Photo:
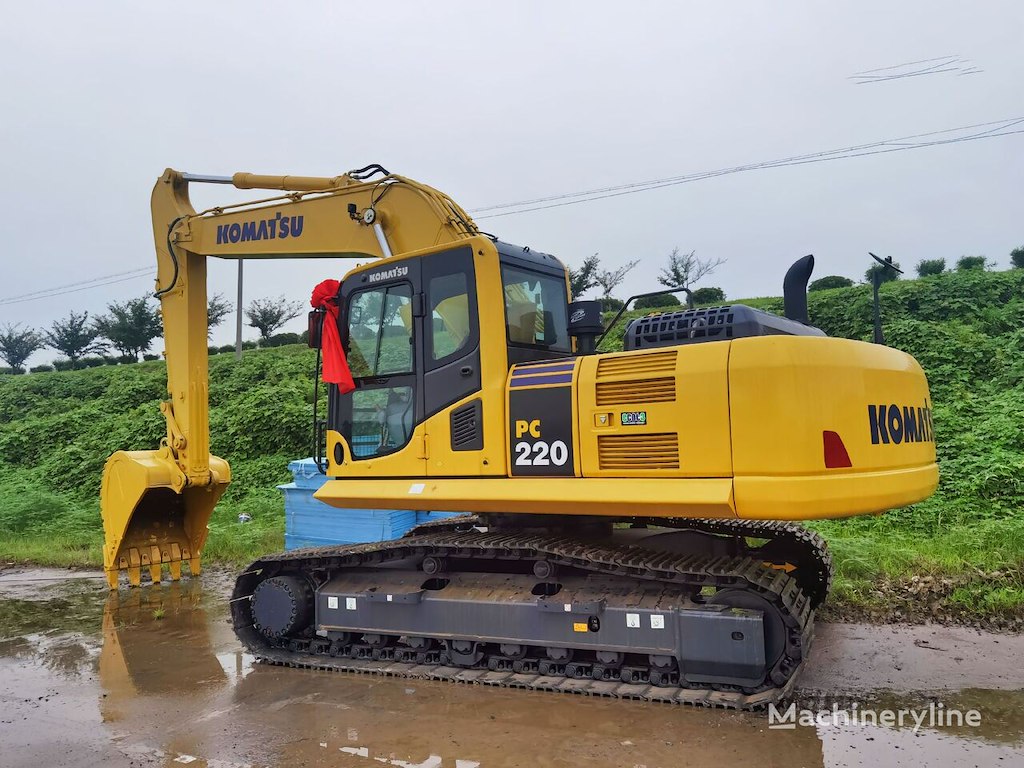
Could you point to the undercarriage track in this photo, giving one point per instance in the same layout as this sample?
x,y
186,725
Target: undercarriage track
x,y
763,573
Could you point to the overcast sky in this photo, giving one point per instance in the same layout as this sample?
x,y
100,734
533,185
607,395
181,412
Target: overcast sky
x,y
495,103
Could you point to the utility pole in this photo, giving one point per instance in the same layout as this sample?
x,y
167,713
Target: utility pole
x,y
238,314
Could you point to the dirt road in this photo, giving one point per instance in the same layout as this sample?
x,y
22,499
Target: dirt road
x,y
154,677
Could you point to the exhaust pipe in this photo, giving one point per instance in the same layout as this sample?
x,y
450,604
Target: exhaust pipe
x,y
794,289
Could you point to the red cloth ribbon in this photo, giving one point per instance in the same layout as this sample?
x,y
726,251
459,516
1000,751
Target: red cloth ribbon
x,y
336,370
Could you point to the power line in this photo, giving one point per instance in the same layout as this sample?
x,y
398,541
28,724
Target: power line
x,y
902,71
949,59
887,78
993,129
75,284
998,123
72,290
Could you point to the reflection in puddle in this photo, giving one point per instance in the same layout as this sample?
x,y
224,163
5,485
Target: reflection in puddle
x,y
157,641
173,688
1001,713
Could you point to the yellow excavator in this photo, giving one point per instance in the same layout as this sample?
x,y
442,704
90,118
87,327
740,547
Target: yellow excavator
x,y
634,515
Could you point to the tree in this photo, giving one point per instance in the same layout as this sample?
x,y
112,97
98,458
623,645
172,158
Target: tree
x,y
75,337
1017,258
927,267
267,315
656,302
583,279
965,263
830,281
685,269
217,308
17,345
131,327
885,274
709,295
609,279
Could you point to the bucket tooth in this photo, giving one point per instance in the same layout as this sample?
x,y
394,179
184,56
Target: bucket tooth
x,y
155,564
175,568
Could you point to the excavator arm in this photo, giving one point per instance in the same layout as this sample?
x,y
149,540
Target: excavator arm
x,y
156,503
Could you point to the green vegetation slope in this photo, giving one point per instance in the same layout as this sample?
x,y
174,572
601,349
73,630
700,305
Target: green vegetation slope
x,y
57,429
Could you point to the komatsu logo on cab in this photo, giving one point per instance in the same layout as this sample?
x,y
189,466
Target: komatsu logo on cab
x,y
388,274
892,423
277,228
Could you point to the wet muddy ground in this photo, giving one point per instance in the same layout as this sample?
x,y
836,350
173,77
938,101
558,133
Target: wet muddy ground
x,y
154,677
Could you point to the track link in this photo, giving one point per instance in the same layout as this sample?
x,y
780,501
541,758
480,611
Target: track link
x,y
457,538
787,542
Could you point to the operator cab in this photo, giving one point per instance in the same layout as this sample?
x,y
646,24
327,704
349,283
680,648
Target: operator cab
x,y
411,332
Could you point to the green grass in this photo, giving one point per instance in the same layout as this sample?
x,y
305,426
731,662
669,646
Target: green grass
x,y
974,571
39,539
56,551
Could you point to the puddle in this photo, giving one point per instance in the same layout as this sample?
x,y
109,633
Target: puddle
x,y
154,676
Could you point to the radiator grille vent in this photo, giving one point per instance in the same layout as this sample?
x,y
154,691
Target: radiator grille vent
x,y
467,427
662,390
652,451
658,363
637,379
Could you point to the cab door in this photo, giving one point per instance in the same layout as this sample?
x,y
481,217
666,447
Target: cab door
x,y
451,329
452,380
383,315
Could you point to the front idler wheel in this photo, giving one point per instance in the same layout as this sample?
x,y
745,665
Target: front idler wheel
x,y
282,606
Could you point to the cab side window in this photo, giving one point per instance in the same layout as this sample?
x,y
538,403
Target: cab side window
x,y
450,325
380,330
449,314
536,312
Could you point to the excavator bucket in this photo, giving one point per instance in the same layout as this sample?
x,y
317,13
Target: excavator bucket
x,y
152,517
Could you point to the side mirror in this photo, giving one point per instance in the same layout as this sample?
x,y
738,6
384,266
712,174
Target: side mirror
x,y
315,327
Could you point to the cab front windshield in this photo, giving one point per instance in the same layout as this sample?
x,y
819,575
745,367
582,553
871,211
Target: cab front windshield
x,y
381,359
535,309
